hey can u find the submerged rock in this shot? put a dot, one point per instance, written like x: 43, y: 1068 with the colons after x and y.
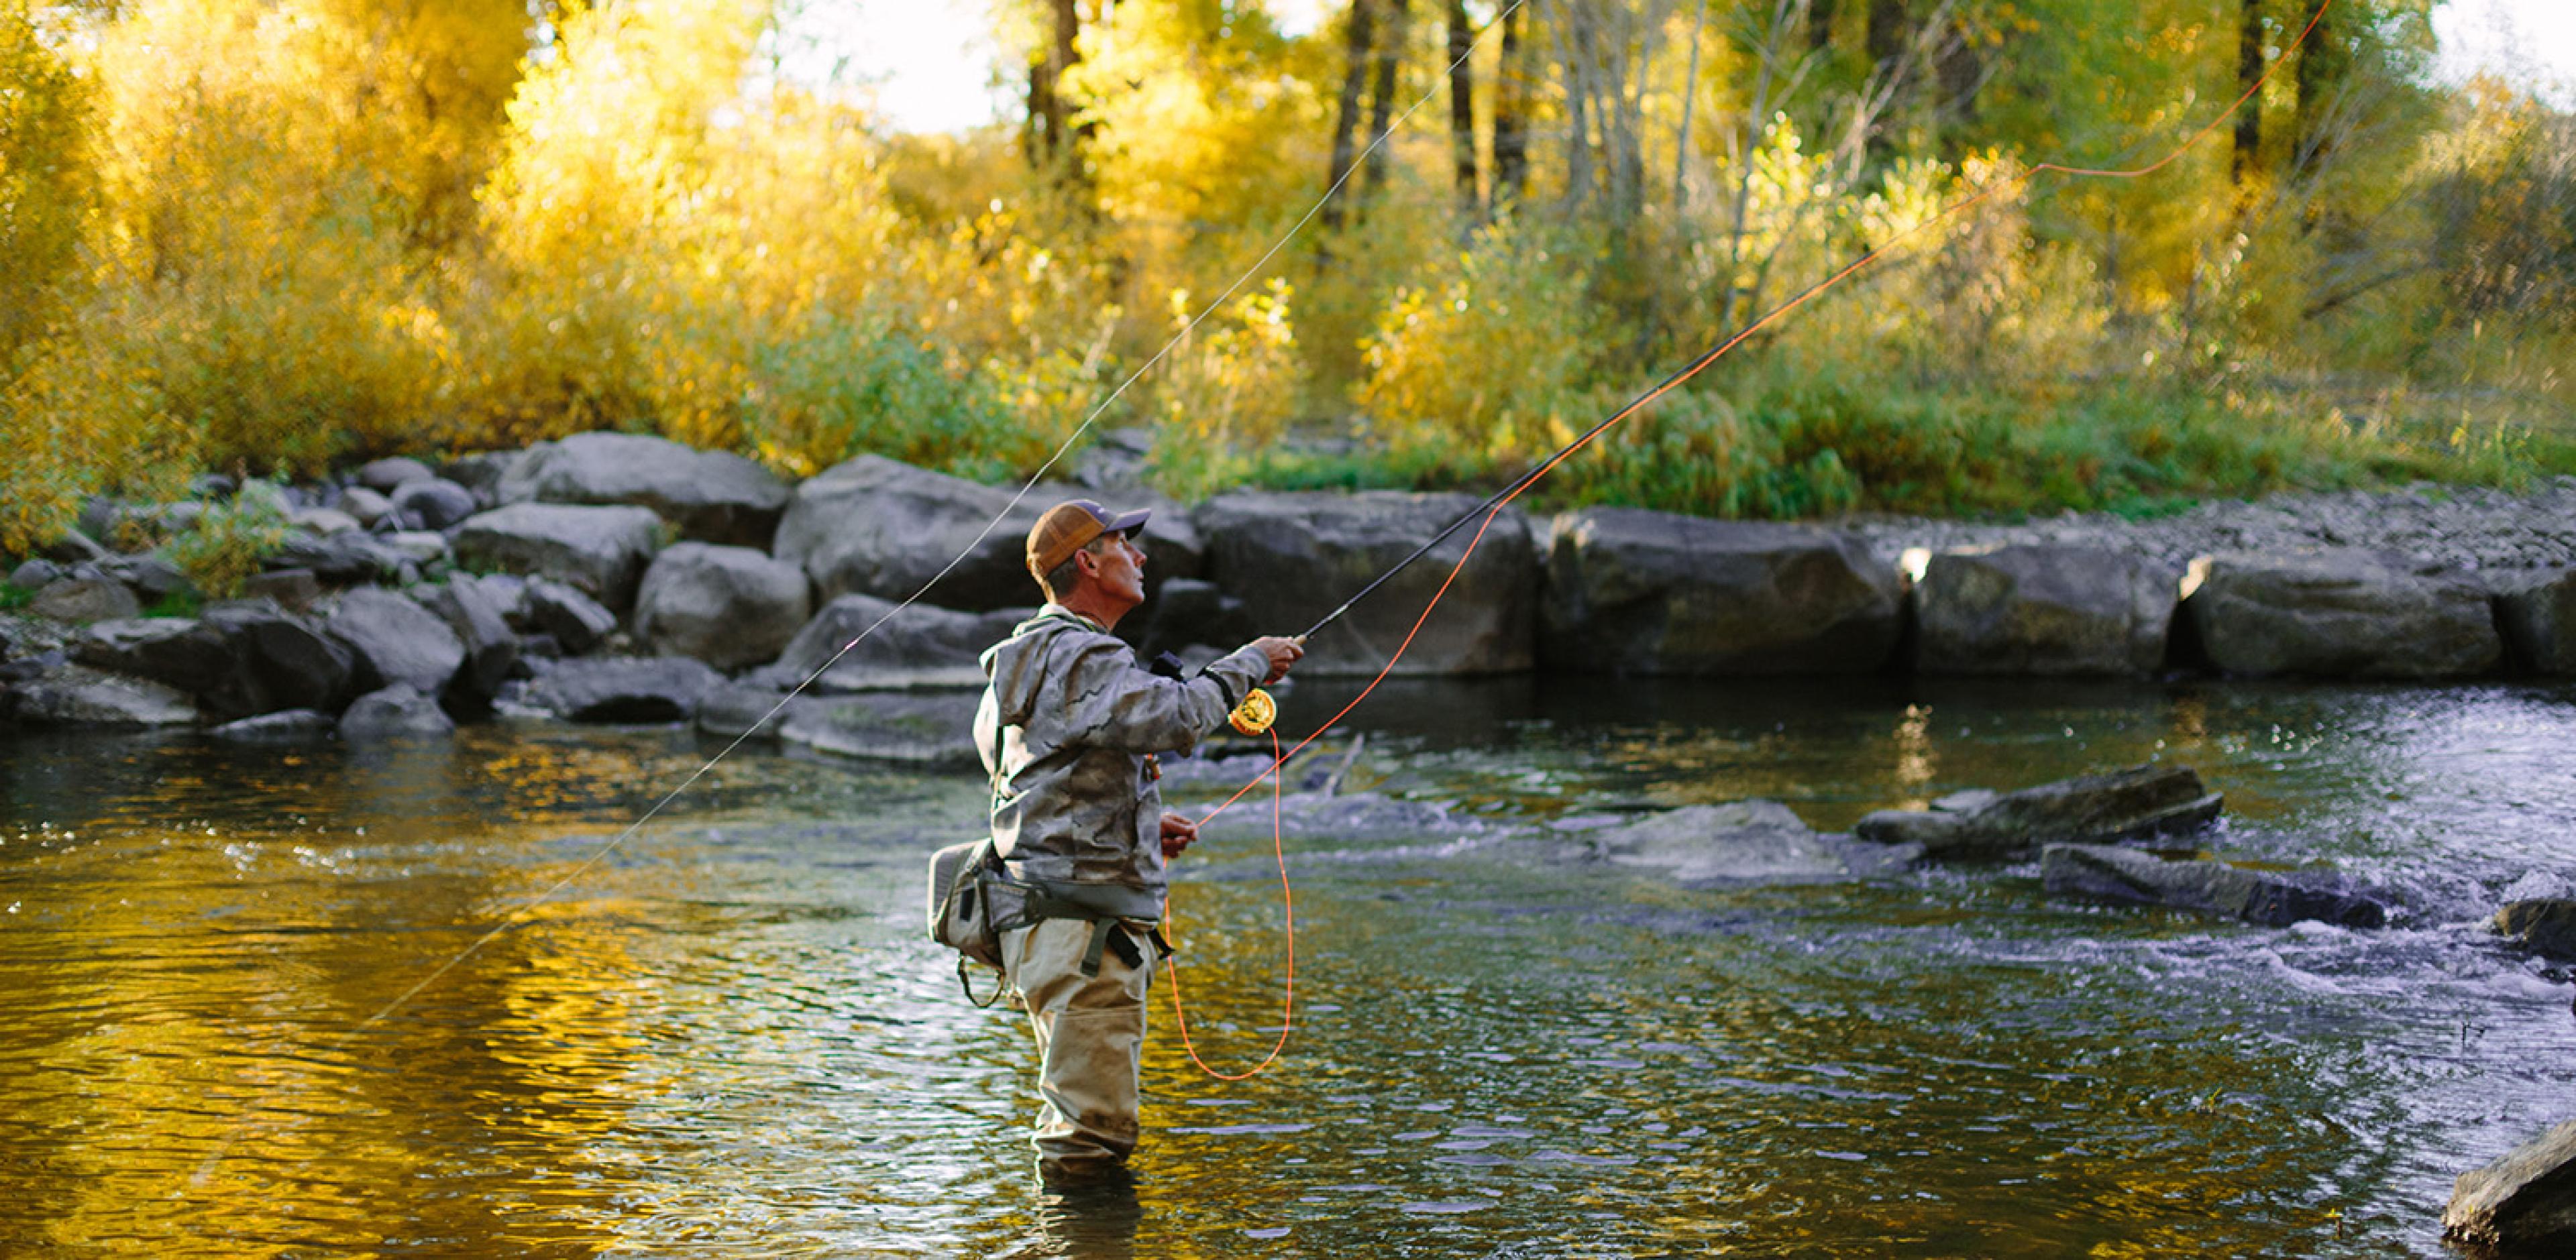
x: 2523, y: 1204
x: 1739, y: 841
x: 2272, y: 899
x: 2043, y: 610
x: 634, y: 689
x: 2543, y: 925
x: 282, y: 726
x: 2341, y: 614
x: 2124, y: 804
x: 2538, y: 616
x: 396, y: 712
x: 930, y: 729
x: 1292, y: 557
x: 1631, y: 591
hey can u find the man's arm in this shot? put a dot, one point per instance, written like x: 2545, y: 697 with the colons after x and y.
x: 1112, y: 702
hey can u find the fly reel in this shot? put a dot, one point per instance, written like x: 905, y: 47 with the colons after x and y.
x: 1255, y: 714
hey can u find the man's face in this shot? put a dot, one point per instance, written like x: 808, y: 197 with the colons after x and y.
x: 1119, y: 568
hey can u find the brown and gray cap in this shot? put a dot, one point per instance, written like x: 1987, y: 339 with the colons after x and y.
x: 1069, y: 527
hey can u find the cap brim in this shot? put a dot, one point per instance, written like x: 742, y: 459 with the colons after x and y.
x: 1127, y: 523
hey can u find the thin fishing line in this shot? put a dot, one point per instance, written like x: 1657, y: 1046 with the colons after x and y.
x: 521, y: 913
x: 1494, y: 505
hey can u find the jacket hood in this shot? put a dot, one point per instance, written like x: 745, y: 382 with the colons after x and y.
x: 1016, y: 665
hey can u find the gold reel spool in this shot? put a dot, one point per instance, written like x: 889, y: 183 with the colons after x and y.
x: 1255, y: 714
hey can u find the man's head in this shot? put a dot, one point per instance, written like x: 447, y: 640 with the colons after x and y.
x: 1084, y: 559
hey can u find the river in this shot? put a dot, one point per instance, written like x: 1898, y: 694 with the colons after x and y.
x: 726, y: 1036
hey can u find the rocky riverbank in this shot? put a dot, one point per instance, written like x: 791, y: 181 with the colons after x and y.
x: 614, y: 577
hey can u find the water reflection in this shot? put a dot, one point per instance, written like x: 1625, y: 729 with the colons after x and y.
x: 726, y: 1037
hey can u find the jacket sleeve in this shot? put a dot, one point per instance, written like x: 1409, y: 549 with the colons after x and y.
x: 1111, y: 702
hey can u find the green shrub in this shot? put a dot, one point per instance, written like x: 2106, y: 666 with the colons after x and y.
x: 232, y: 538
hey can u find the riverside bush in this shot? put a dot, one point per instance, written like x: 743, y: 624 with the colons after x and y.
x: 231, y: 538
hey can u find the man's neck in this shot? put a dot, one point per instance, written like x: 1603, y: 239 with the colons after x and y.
x: 1092, y: 607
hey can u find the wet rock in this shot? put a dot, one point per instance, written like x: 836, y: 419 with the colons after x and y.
x: 1291, y: 558
x: 364, y: 506
x: 713, y: 496
x: 398, y: 642
x: 2543, y: 925
x: 576, y: 622
x: 743, y: 709
x: 384, y: 476
x: 878, y: 527
x: 79, y: 601
x: 35, y: 575
x: 2042, y: 610
x: 928, y: 729
x: 625, y: 689
x: 2124, y: 804
x: 2523, y: 1204
x: 396, y: 712
x: 600, y: 551
x: 281, y: 661
x: 77, y: 696
x: 434, y: 502
x: 2341, y: 614
x: 294, y: 589
x: 346, y: 558
x: 179, y: 653
x: 727, y: 606
x: 284, y: 726
x: 2273, y: 899
x: 1358, y: 818
x: 1637, y: 592
x: 919, y: 646
x: 491, y: 648
x: 2538, y: 616
x: 1757, y: 840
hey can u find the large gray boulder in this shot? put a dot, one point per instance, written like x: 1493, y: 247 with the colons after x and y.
x: 2539, y: 621
x: 1291, y: 558
x: 2124, y: 804
x: 930, y: 729
x: 1637, y: 592
x: 713, y: 496
x: 398, y: 642
x: 2340, y: 614
x: 2543, y: 925
x: 1736, y: 842
x: 282, y: 661
x: 482, y: 629
x: 384, y: 476
x: 2043, y: 610
x: 2523, y: 1204
x: 599, y: 551
x: 2273, y: 899
x: 918, y: 646
x: 727, y: 606
x: 349, y: 557
x: 396, y: 712
x: 177, y: 652
x: 626, y: 689
x: 883, y: 528
x: 80, y: 601
x: 76, y: 696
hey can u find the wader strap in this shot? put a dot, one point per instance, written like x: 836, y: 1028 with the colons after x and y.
x: 1100, y: 930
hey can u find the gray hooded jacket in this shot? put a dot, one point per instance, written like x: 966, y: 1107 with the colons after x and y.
x: 1078, y: 717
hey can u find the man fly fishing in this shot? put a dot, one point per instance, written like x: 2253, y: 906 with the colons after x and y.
x: 1068, y: 729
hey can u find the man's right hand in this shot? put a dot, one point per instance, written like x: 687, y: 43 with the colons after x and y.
x: 1282, y: 653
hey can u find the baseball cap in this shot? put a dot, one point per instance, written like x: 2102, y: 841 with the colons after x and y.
x: 1069, y: 527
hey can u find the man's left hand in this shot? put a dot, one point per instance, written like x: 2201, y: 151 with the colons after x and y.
x: 1178, y: 832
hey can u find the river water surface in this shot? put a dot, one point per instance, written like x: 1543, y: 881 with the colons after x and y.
x: 727, y: 1037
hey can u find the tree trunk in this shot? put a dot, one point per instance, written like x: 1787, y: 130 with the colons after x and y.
x: 1886, y: 42
x: 1462, y: 109
x: 1347, y: 121
x: 2322, y: 62
x: 1690, y: 98
x: 1820, y: 25
x: 1048, y: 138
x: 1511, y: 127
x: 2249, y: 120
x: 1390, y: 53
